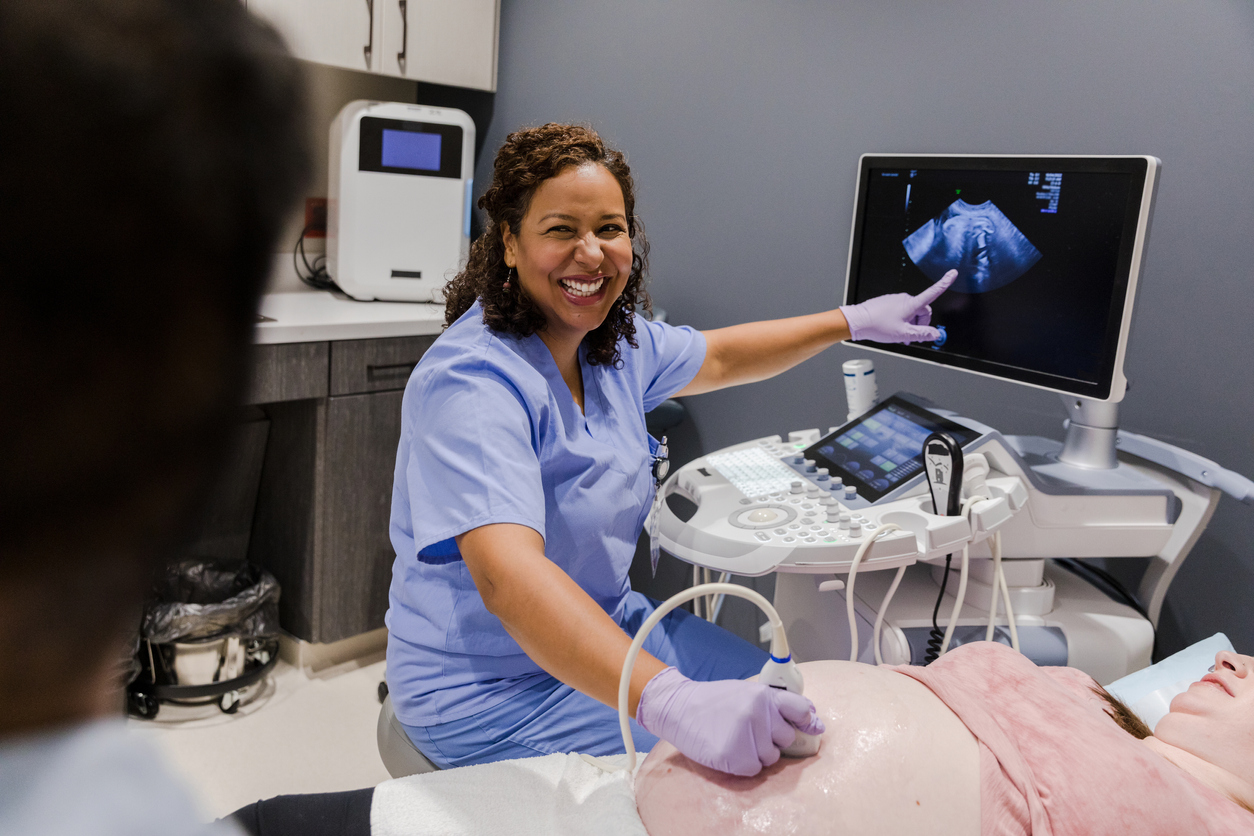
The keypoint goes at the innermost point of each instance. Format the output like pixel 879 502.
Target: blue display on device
pixel 944 335
pixel 411 149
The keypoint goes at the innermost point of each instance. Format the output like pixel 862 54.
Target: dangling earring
pixel 509 276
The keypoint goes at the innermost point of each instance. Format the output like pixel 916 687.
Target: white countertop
pixel 315 315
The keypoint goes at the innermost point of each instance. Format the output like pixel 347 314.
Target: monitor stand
pixel 1091 430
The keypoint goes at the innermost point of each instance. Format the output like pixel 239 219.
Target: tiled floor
pixel 302 732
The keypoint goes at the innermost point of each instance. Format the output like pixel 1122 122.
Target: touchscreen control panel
pixel 881 450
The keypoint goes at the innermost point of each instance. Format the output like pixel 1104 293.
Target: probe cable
pixel 999 580
pixel 779 650
pixel 999 586
pixel 959 597
pixel 853 574
pixel 709 606
pixel 963 573
pixel 879 616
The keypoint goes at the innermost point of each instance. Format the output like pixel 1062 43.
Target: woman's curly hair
pixel 528 158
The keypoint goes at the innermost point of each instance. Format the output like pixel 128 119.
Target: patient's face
pixel 1214 719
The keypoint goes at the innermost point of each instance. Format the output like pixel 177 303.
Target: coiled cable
pixel 936 635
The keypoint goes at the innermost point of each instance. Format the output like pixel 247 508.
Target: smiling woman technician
pixel 524 476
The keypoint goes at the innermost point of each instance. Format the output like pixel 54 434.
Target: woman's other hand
pixel 897 317
pixel 731 725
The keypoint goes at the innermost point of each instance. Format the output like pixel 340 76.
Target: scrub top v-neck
pixel 491 434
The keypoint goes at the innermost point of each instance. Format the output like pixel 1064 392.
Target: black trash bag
pixel 199 598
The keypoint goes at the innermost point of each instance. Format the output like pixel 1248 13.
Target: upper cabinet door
pixel 440 41
pixel 343 33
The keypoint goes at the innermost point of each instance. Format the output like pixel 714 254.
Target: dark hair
pixel 150 152
pixel 1123 716
pixel 528 158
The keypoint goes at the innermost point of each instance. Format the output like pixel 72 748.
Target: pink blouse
pixel 1053 762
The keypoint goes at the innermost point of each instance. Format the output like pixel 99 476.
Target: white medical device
pixel 1048 251
pixel 398 209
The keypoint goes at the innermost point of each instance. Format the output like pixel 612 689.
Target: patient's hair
pixel 528 158
pixel 149 154
pixel 1122 715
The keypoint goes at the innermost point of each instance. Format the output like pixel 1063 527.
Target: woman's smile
pixel 583 290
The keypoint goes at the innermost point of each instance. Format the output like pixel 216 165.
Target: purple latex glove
pixel 897 317
pixel 731 725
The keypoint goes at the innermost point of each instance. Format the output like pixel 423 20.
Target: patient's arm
pixel 894 760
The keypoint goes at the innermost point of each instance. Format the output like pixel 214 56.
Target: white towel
pixel 554 794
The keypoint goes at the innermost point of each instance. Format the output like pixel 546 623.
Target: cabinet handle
pixel 390 372
pixel 368 49
pixel 400 56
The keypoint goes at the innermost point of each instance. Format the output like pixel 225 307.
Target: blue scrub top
pixel 491 434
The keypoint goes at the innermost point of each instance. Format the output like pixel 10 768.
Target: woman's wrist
pixel 840 326
pixel 646 669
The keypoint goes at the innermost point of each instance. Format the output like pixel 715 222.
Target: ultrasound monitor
pixel 1048 251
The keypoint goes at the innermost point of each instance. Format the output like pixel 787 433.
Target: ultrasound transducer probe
pixel 942 461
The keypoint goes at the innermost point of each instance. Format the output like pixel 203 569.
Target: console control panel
pixel 809 503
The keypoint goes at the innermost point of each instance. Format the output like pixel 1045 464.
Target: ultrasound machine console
pixel 1049 252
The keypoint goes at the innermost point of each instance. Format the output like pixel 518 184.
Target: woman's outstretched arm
pixel 759 350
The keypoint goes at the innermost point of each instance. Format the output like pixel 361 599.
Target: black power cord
pixel 315 275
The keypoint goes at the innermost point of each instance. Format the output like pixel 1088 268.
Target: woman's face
pixel 1214 719
pixel 572 251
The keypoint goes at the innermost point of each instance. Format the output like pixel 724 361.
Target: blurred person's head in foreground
pixel 149 152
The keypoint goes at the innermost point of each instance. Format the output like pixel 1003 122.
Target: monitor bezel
pixel 1112 384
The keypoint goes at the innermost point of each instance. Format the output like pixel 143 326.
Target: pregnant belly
pixel 894 760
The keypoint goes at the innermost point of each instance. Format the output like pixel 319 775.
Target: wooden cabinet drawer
pixel 359 366
pixel 288 372
pixel 362 432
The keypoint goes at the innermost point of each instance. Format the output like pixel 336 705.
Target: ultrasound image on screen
pixel 980 242
pixel 1038 253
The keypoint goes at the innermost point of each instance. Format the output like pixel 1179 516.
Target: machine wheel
pixel 229 704
pixel 142 704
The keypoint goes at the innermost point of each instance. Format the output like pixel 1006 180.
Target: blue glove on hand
pixel 897 317
pixel 731 725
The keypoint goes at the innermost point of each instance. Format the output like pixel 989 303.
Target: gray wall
pixel 744 120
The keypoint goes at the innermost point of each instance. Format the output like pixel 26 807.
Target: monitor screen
pixel 1046 250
